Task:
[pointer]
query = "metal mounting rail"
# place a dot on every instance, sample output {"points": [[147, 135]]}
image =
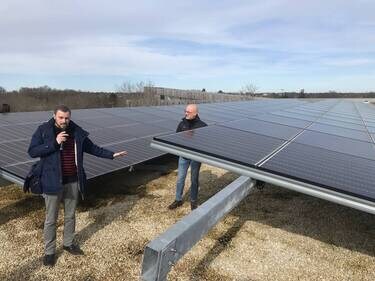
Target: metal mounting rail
{"points": [[164, 251], [11, 177]]}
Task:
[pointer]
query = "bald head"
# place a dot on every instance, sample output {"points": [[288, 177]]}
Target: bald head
{"points": [[191, 111]]}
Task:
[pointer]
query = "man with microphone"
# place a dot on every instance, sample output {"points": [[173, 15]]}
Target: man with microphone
{"points": [[60, 144]]}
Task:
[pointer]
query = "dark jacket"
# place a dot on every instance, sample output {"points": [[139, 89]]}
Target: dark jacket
{"points": [[186, 124], [44, 145]]}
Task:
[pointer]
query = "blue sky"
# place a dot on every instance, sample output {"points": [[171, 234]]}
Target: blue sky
{"points": [[217, 45]]}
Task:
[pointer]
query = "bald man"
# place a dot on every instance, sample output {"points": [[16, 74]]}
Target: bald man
{"points": [[189, 122]]}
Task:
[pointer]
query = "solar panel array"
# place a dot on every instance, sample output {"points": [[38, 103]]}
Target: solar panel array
{"points": [[327, 143], [117, 129]]}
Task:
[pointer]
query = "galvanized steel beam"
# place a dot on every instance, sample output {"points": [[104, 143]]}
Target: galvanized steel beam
{"points": [[11, 177], [164, 251]]}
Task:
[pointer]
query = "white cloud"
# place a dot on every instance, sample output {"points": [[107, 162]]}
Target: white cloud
{"points": [[107, 37]]}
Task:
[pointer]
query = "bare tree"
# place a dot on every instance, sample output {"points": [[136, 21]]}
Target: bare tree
{"points": [[131, 87], [302, 93], [249, 89], [125, 87], [2, 90], [140, 86]]}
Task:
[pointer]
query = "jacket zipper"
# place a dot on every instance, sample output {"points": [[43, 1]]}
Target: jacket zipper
{"points": [[76, 161], [61, 173]]}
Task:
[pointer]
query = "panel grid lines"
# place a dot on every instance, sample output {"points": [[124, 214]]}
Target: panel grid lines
{"points": [[334, 150], [327, 143]]}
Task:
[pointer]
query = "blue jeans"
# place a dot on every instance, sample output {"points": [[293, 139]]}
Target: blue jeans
{"points": [[183, 166]]}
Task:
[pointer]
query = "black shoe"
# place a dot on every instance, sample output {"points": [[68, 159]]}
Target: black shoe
{"points": [[49, 260], [74, 250], [193, 205], [175, 204]]}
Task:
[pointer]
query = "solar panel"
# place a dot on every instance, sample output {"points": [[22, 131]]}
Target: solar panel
{"points": [[346, 116], [232, 144], [143, 130], [168, 123], [336, 151], [84, 114], [17, 132], [25, 117], [20, 170], [121, 128], [340, 131], [305, 112], [164, 114], [306, 117], [342, 124], [369, 122], [264, 128], [109, 121], [14, 152], [337, 143], [344, 119], [138, 152], [283, 120], [337, 171], [111, 135]]}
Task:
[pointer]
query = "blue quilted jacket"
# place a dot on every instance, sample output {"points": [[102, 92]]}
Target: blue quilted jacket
{"points": [[44, 145]]}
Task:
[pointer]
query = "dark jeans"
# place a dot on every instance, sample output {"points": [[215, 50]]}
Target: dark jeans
{"points": [[183, 166]]}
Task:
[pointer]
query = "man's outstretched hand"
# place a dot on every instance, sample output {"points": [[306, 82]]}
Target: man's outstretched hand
{"points": [[118, 154]]}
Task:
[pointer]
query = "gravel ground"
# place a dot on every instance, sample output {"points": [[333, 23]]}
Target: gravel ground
{"points": [[274, 234]]}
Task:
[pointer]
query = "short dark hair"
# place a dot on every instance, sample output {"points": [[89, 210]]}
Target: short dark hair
{"points": [[62, 108]]}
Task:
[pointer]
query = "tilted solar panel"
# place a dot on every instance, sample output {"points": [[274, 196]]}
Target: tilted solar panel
{"points": [[231, 144], [335, 152], [337, 171]]}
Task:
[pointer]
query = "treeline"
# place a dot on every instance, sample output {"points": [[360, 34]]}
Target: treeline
{"points": [[330, 94], [46, 98]]}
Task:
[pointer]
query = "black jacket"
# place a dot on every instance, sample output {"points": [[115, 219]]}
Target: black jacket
{"points": [[43, 144], [186, 124]]}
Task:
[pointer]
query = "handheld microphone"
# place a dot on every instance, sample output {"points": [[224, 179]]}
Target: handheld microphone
{"points": [[62, 143]]}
